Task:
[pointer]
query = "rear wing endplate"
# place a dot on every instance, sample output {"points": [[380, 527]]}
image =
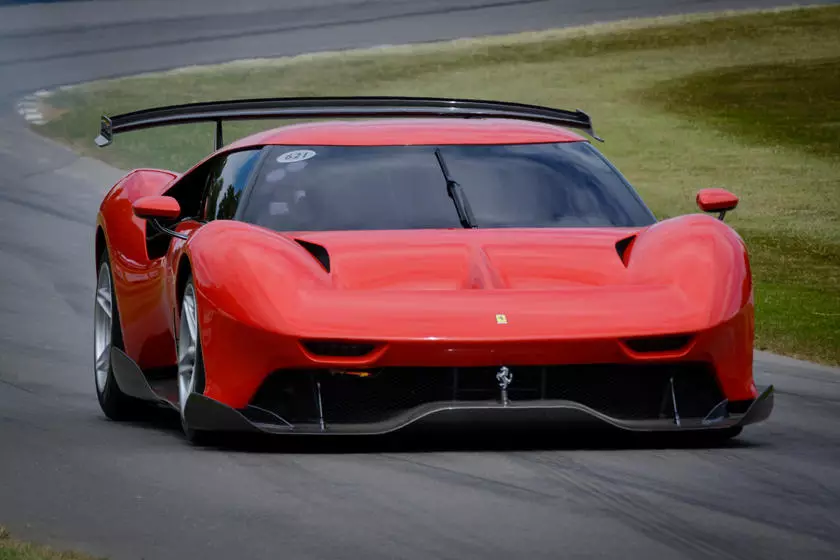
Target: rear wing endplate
{"points": [[106, 132]]}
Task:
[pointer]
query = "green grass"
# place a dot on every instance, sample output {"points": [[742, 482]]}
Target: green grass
{"points": [[744, 101], [792, 104], [11, 549]]}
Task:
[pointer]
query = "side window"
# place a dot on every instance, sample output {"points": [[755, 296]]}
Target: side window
{"points": [[226, 183]]}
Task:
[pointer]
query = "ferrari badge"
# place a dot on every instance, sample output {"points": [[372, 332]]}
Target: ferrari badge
{"points": [[505, 378]]}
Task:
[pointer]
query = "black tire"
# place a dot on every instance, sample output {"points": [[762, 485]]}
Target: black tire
{"points": [[196, 437], [114, 403]]}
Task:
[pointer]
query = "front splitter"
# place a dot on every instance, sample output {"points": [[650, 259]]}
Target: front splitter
{"points": [[203, 413]]}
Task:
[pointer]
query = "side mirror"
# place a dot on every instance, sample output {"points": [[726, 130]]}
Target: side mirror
{"points": [[156, 207], [716, 200]]}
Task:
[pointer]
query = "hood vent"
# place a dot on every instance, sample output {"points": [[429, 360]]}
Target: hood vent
{"points": [[623, 246], [318, 251]]}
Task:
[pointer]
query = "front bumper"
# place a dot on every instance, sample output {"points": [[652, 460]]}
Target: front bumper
{"points": [[204, 413]]}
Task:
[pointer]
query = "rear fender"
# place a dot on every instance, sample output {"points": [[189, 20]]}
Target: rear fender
{"points": [[122, 229], [138, 281]]}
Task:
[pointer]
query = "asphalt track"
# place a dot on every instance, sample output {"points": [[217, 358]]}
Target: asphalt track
{"points": [[69, 477]]}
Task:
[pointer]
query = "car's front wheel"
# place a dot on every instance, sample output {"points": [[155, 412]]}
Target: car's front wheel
{"points": [[190, 362]]}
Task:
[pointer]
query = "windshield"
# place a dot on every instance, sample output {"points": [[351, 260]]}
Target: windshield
{"points": [[321, 188]]}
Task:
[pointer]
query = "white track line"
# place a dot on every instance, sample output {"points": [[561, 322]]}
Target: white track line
{"points": [[30, 107]]}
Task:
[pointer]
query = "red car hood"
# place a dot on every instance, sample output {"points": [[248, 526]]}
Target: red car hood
{"points": [[484, 284], [478, 284]]}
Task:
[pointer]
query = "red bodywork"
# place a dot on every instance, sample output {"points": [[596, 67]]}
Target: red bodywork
{"points": [[429, 297]]}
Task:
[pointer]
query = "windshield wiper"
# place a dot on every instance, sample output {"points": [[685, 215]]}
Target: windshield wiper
{"points": [[456, 193]]}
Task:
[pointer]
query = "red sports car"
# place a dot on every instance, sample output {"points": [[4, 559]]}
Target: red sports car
{"points": [[415, 261]]}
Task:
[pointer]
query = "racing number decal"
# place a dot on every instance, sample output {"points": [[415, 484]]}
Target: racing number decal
{"points": [[295, 156]]}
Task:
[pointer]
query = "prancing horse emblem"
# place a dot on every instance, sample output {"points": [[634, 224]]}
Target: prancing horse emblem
{"points": [[504, 377]]}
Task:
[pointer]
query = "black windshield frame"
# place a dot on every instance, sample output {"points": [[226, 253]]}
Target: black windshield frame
{"points": [[618, 192]]}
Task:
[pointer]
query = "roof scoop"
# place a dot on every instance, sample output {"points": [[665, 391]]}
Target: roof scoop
{"points": [[319, 252]]}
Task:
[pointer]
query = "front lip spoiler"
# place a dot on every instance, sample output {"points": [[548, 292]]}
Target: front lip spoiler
{"points": [[203, 413]]}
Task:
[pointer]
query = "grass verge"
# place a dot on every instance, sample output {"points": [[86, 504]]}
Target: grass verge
{"points": [[744, 101], [11, 549]]}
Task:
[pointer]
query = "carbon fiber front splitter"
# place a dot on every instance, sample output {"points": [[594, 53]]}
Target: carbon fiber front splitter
{"points": [[203, 413]]}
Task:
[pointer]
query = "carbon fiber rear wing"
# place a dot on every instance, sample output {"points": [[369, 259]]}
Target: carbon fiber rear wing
{"points": [[335, 107]]}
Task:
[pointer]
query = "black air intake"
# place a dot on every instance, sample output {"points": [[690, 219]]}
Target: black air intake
{"points": [[630, 392], [657, 344], [337, 348]]}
